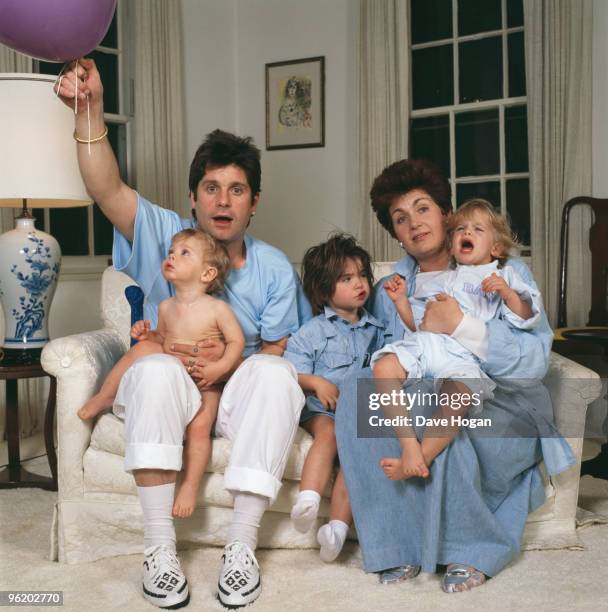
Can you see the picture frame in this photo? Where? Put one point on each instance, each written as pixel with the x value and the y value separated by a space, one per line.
pixel 295 104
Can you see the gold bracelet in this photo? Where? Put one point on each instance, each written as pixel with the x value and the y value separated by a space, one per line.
pixel 83 141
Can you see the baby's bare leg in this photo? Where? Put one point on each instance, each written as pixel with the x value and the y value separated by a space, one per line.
pixel 104 398
pixel 196 452
pixel 437 438
pixel 389 375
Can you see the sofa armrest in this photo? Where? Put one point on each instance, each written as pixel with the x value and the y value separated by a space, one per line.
pixel 572 387
pixel 80 363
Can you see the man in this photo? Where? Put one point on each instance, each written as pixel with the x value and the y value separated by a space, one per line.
pixel 261 402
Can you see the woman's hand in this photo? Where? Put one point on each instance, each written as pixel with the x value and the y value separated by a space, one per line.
pixel 442 315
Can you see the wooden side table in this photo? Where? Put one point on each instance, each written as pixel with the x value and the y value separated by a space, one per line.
pixel 15 475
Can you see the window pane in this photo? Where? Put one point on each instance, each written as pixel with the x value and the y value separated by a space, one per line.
pixel 518 207
pixel 432 77
pixel 515 13
pixel 516 138
pixel 480 69
pixel 117 135
pixel 38 214
pixel 477 143
pixel 431 20
pixel 70 228
pixel 107 64
pixel 111 37
pixel 476 16
pixel 487 191
pixel 104 232
pixel 430 139
pixel 49 67
pixel 517 65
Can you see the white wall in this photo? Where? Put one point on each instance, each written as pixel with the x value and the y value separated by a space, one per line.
pixel 306 193
pixel 209 68
pixel 600 98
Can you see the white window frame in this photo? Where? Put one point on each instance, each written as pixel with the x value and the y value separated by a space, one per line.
pixel 90 267
pixel 457 108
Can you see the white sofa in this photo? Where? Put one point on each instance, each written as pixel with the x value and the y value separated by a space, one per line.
pixel 98 515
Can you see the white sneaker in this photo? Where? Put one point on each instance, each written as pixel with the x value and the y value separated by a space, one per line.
pixel 239 582
pixel 164 584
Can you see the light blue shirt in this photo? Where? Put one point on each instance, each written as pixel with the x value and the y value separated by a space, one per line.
pixel 265 294
pixel 331 347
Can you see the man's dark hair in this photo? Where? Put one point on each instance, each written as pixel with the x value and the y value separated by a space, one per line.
pixel 223 149
pixel 402 177
pixel 323 265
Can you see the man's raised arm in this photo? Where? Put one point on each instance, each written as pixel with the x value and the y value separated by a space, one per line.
pixel 99 169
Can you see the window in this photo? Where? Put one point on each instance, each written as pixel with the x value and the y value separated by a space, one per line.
pixel 469 111
pixel 85 232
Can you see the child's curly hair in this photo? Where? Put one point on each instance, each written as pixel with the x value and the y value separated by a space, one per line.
pixel 214 255
pixel 323 264
pixel 503 234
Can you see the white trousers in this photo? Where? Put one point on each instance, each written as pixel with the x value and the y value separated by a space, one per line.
pixel 259 413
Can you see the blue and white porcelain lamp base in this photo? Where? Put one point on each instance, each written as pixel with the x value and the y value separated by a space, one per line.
pixel 30 261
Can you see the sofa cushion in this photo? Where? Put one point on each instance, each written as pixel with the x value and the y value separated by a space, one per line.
pixel 108 437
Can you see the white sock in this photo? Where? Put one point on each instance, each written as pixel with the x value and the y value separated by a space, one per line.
pixel 305 511
pixel 249 509
pixel 331 537
pixel 157 503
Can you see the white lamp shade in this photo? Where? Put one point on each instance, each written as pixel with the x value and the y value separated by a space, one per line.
pixel 37 151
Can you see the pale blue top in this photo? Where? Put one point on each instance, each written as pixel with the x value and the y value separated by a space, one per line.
pixel 331 347
pixel 265 294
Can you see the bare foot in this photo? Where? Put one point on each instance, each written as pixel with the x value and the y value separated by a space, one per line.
pixel 411 464
pixel 93 407
pixel 186 500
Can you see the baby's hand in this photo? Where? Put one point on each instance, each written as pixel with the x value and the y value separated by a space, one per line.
pixel 496 284
pixel 327 393
pixel 141 330
pixel 396 288
pixel 211 373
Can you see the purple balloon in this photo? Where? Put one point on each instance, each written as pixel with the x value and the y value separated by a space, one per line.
pixel 54 30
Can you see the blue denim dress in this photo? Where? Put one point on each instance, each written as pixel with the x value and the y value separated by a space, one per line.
pixel 473 507
pixel 336 349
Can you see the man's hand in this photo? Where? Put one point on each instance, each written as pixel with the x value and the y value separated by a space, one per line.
pixel 80 77
pixel 141 330
pixel 497 284
pixel 194 357
pixel 327 393
pixel 442 315
pixel 396 288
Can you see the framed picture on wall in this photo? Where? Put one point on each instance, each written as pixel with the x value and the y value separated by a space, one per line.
pixel 295 104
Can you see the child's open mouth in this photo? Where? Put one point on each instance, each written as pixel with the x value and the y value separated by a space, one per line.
pixel 466 246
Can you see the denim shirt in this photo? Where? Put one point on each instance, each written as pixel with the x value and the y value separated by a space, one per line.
pixel 331 347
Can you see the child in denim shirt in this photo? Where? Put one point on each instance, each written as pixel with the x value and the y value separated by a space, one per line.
pixel 337 278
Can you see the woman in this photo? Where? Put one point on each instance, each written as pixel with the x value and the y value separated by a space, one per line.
pixel 470 513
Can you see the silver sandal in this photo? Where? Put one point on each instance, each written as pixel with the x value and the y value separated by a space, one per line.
pixel 399 574
pixel 460 575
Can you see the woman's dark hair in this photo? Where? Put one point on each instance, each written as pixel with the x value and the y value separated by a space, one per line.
pixel 323 265
pixel 402 177
pixel 223 149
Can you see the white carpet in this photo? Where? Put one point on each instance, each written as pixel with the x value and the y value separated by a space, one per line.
pixel 297 580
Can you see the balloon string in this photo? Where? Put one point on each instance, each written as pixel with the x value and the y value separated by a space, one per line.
pixel 59 79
